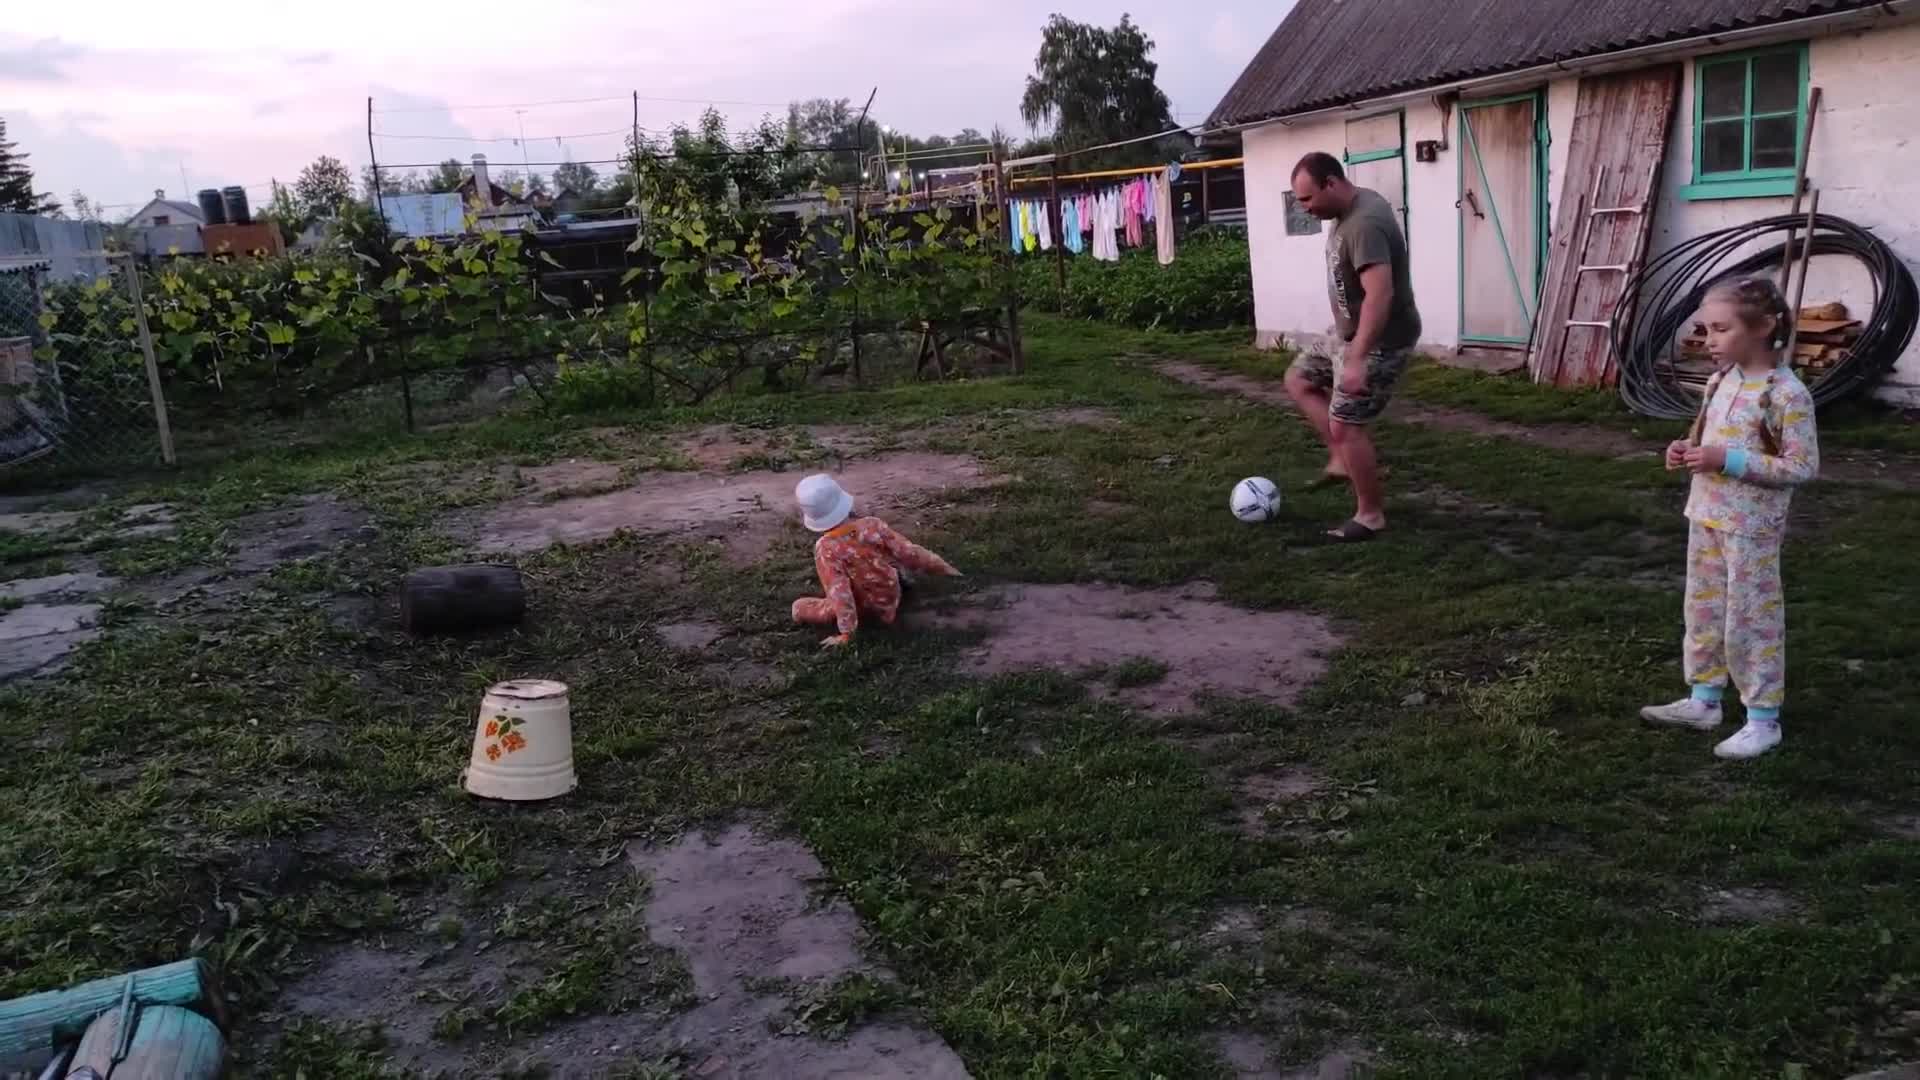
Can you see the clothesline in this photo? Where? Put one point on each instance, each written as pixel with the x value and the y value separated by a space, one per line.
pixel 1224 163
pixel 1097 220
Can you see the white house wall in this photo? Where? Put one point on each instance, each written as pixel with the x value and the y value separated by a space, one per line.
pixel 1865 161
pixel 1289 272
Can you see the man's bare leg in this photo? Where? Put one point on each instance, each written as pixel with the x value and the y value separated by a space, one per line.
pixel 1353 444
pixel 1316 405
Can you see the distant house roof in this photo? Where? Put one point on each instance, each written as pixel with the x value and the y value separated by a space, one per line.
pixel 186 210
pixel 501 196
pixel 1336 52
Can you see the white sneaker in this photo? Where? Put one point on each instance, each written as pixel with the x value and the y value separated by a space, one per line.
pixel 1752 740
pixel 1687 713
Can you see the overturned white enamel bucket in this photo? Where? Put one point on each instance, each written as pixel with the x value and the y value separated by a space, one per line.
pixel 523 743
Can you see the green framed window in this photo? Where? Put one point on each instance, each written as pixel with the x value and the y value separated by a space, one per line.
pixel 1376 158
pixel 1749 113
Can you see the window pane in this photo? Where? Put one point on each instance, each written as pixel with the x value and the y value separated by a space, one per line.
pixel 1723 90
pixel 1774 146
pixel 1776 82
pixel 1373 133
pixel 1723 147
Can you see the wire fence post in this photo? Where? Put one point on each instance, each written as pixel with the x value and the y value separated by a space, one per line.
pixel 154 389
pixel 373 162
pixel 1014 351
pixel 853 220
pixel 1059 227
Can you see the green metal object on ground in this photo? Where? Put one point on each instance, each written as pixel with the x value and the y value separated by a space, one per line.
pixel 45 1022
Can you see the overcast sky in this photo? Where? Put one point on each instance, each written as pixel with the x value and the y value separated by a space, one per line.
pixel 116 98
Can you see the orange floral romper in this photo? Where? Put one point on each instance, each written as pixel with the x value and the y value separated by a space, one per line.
pixel 859 564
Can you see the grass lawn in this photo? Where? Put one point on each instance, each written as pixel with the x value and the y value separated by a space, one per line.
pixel 1495 871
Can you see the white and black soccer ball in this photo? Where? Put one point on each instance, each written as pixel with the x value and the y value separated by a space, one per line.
pixel 1255 500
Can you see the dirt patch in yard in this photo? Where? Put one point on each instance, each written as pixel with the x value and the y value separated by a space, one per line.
pixel 1734 906
pixel 1257 796
pixel 691 636
pixel 1209 649
pixel 742 909
pixel 1254 1057
pixel 746 511
pixel 37 639
pixel 314 526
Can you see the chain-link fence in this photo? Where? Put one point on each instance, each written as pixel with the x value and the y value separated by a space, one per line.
pixel 78 383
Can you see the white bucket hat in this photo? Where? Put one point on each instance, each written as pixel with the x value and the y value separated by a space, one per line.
pixel 824 504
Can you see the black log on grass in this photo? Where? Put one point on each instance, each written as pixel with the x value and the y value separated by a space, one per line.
pixel 461 599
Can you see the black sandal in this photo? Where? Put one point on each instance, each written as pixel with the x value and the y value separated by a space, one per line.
pixel 1353 533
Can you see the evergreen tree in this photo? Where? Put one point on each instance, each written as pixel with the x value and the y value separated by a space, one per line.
pixel 16 182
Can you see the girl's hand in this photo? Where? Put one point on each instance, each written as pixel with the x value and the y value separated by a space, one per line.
pixel 1676 455
pixel 837 641
pixel 1707 459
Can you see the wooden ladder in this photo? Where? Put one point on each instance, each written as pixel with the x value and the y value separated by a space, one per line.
pixel 1626 269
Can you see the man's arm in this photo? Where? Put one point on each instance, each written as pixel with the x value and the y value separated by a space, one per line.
pixel 1377 282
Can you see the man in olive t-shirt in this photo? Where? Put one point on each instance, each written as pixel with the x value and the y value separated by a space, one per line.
pixel 1370 287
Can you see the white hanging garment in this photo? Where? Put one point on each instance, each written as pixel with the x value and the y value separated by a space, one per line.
pixel 1163 217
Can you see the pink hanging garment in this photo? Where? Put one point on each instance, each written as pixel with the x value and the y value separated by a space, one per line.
pixel 1135 208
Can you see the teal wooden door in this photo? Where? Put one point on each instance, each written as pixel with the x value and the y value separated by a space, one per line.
pixel 1502 221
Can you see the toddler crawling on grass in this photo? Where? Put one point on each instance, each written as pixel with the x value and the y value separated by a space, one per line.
pixel 861 562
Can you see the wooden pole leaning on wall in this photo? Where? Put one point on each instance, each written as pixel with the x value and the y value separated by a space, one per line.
pixel 1800 287
pixel 1800 184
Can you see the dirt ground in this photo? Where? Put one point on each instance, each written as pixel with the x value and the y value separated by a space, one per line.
pixel 1188 645
pixel 746 511
pixel 736 911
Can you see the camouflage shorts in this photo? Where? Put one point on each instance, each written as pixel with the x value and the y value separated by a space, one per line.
pixel 1318 366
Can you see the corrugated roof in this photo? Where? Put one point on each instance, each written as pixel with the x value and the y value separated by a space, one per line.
pixel 19 264
pixel 1335 52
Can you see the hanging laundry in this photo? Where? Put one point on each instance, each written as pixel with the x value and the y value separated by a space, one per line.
pixel 1163 217
pixel 1045 226
pixel 1135 210
pixel 1106 223
pixel 1012 225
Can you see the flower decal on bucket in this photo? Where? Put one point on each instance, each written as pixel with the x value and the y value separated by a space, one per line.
pixel 502 728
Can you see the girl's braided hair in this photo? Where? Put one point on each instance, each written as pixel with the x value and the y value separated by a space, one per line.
pixel 1755 299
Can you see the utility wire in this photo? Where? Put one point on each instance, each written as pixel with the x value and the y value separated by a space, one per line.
pixel 581 101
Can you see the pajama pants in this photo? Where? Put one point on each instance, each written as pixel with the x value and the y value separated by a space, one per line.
pixel 1736 617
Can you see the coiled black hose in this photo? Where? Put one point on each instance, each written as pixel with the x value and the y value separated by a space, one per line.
pixel 1663 297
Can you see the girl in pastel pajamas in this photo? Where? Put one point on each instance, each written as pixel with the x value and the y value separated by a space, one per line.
pixel 1752 444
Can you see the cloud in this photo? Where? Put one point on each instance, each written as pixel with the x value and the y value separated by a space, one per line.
pixel 118 106
pixel 40 61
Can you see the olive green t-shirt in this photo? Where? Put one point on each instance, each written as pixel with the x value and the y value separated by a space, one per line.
pixel 1369 235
